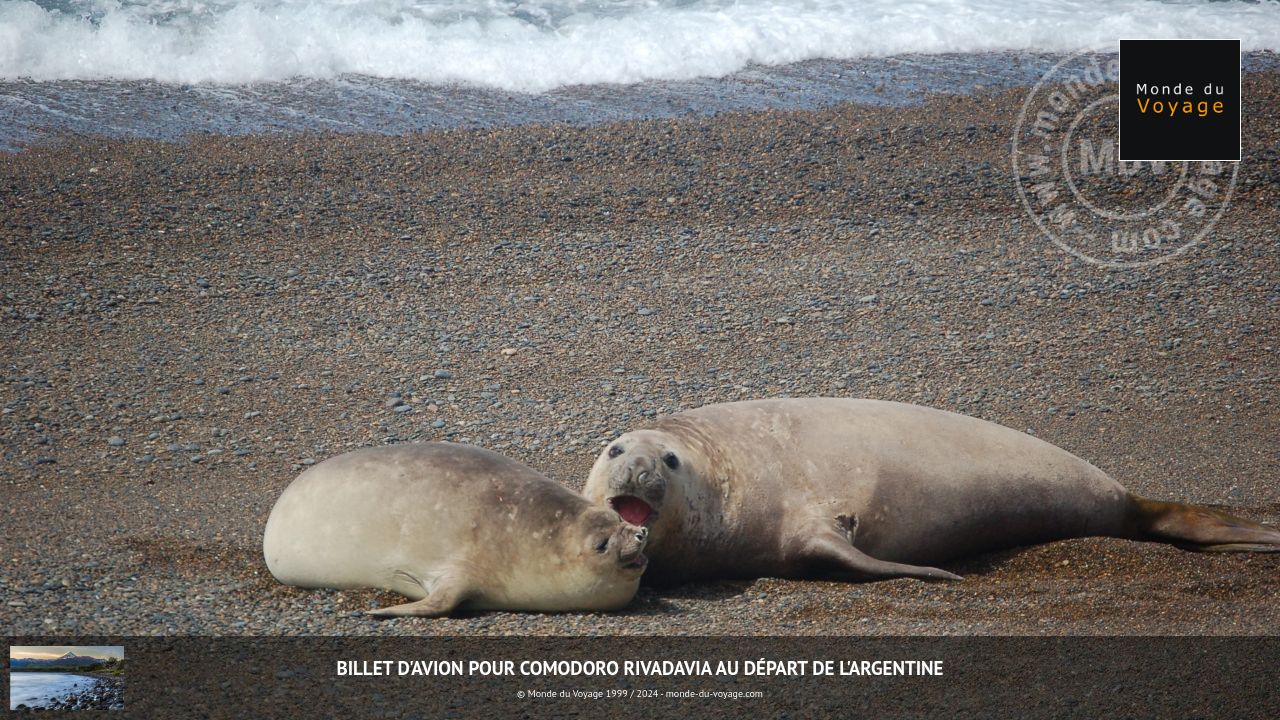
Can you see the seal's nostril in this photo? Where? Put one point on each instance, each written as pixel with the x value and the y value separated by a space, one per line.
pixel 644 475
pixel 644 533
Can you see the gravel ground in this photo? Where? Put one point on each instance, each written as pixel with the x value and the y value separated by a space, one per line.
pixel 186 326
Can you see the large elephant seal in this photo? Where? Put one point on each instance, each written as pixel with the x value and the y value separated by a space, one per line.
pixel 451 525
pixel 868 489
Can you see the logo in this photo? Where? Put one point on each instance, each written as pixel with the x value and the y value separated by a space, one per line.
pixel 1180 100
pixel 1091 204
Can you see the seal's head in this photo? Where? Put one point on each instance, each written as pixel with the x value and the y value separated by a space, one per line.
pixel 607 561
pixel 642 476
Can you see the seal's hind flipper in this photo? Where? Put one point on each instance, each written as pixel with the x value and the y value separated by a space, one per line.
pixel 444 598
pixel 831 548
pixel 1200 529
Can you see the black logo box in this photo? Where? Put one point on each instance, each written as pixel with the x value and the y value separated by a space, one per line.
pixel 1158 78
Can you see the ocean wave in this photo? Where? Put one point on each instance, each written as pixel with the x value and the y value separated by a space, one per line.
pixel 543 44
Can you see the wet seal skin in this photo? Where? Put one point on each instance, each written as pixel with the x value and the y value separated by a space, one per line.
pixel 451 526
pixel 868 490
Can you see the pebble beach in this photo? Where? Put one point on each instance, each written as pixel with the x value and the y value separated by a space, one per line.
pixel 185 326
pixel 90 692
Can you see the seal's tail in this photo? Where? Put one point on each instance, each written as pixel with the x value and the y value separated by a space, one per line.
pixel 1192 527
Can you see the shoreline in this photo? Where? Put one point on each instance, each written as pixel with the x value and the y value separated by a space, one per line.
pixel 106 693
pixel 186 325
pixel 46 114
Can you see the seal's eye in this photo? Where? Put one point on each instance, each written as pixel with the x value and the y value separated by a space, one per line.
pixel 615 451
pixel 671 460
pixel 602 545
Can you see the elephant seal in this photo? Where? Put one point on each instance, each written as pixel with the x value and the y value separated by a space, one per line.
pixel 449 526
pixel 869 489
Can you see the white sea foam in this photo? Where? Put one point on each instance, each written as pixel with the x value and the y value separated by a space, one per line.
pixel 542 44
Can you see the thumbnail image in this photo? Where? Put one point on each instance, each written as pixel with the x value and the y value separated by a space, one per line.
pixel 66 677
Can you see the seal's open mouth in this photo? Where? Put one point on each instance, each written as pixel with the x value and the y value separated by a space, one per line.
pixel 638 564
pixel 632 509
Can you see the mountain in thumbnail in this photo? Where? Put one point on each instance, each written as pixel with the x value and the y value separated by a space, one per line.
pixel 68 660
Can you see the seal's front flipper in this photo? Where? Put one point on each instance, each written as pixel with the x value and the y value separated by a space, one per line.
pixel 443 599
pixel 1200 529
pixel 833 549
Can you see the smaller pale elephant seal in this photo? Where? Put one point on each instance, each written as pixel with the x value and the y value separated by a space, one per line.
pixel 451 526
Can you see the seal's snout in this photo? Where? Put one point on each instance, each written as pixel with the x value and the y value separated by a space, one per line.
pixel 640 477
pixel 639 468
pixel 631 549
